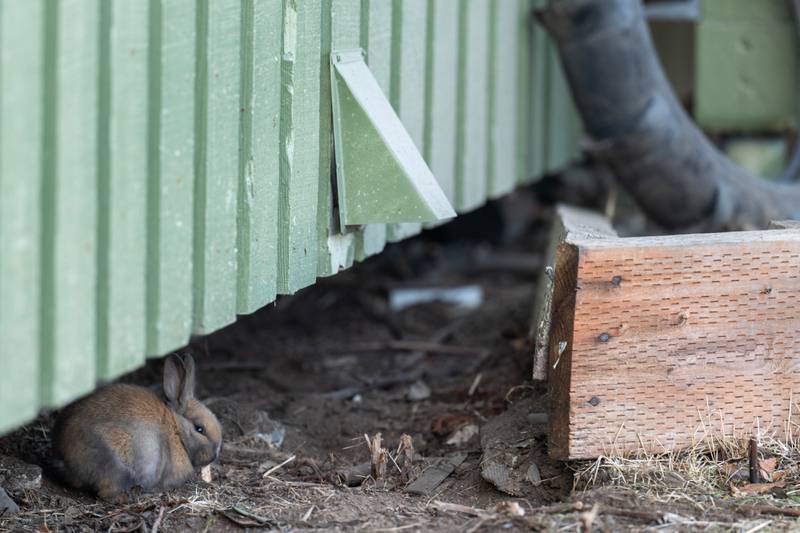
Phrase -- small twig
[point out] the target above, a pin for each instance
(159, 518)
(755, 468)
(769, 509)
(588, 517)
(276, 467)
(475, 384)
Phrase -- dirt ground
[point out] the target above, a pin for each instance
(301, 386)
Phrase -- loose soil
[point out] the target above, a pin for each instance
(302, 385)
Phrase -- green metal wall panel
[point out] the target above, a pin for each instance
(165, 165)
(122, 187)
(21, 78)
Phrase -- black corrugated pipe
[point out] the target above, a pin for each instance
(637, 126)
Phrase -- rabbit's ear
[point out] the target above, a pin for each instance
(187, 391)
(174, 378)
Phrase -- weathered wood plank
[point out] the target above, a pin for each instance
(376, 40)
(442, 79)
(69, 206)
(21, 99)
(472, 147)
(257, 234)
(170, 189)
(217, 112)
(300, 144)
(569, 223)
(407, 91)
(673, 340)
(122, 188)
(341, 27)
(503, 99)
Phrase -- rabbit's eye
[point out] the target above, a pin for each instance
(199, 429)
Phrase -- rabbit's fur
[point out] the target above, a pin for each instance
(125, 436)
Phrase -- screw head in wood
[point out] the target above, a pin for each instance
(595, 401)
(603, 337)
(616, 281)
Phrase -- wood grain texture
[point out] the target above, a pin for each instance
(21, 114)
(170, 187)
(376, 40)
(122, 188)
(299, 145)
(69, 207)
(569, 223)
(673, 340)
(407, 90)
(217, 112)
(257, 215)
(473, 106)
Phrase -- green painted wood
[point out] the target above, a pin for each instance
(755, 87)
(376, 41)
(442, 78)
(562, 132)
(217, 112)
(371, 141)
(300, 144)
(533, 108)
(69, 206)
(473, 93)
(122, 188)
(407, 88)
(503, 99)
(170, 190)
(341, 30)
(257, 217)
(21, 79)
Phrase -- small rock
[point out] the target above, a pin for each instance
(7, 505)
(205, 474)
(533, 474)
(418, 391)
(463, 435)
(17, 475)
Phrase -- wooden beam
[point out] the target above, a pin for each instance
(658, 343)
(569, 223)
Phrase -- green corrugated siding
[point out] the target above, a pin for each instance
(167, 164)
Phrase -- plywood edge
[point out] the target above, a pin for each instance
(570, 223)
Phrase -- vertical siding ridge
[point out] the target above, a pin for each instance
(288, 48)
(245, 203)
(491, 125)
(102, 295)
(364, 29)
(48, 201)
(397, 52)
(153, 173)
(427, 139)
(461, 95)
(201, 140)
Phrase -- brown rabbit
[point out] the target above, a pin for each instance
(124, 436)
